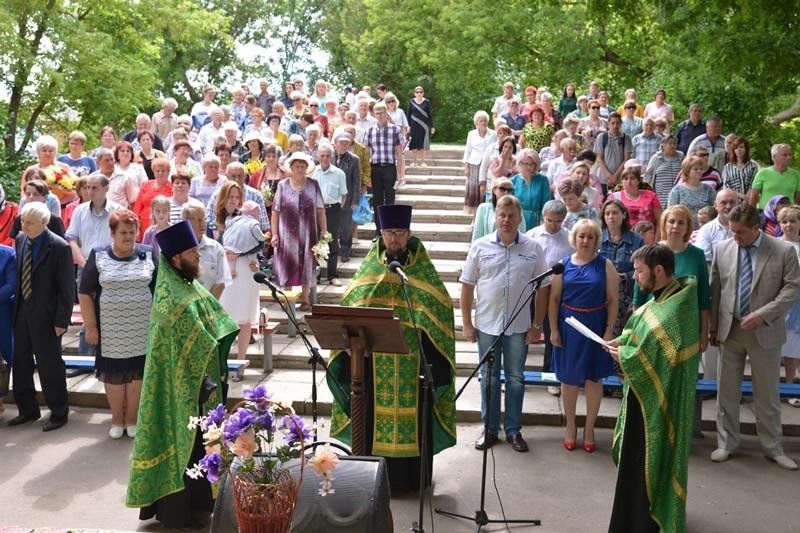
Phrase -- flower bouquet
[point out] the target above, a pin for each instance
(59, 177)
(321, 250)
(265, 493)
(268, 193)
(252, 166)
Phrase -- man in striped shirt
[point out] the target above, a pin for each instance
(385, 142)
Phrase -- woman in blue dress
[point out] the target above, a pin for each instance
(587, 290)
(8, 280)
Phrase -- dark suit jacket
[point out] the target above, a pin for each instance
(52, 280)
(351, 166)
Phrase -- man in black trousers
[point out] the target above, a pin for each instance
(42, 309)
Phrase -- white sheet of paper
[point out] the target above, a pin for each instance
(583, 330)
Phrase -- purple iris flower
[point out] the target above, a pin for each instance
(215, 416)
(265, 421)
(296, 428)
(259, 396)
(238, 422)
(212, 464)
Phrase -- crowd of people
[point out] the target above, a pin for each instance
(261, 180)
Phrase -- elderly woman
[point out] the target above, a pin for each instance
(570, 192)
(642, 204)
(587, 290)
(530, 187)
(8, 285)
(298, 219)
(182, 161)
(420, 117)
(128, 177)
(270, 174)
(551, 114)
(46, 148)
(203, 187)
(691, 192)
(298, 105)
(257, 126)
(180, 196)
(478, 141)
(311, 145)
(772, 211)
(147, 154)
(215, 274)
(484, 218)
(617, 245)
(581, 111)
(593, 125)
(663, 169)
(740, 170)
(296, 144)
(537, 133)
(160, 186)
(116, 293)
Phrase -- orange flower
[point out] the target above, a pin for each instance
(324, 461)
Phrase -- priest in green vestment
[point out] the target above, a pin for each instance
(658, 352)
(185, 375)
(394, 407)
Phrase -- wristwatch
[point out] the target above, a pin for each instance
(537, 327)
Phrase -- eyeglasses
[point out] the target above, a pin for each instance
(418, 91)
(701, 155)
(595, 107)
(313, 105)
(505, 189)
(391, 101)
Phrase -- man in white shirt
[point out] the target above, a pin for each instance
(500, 266)
(364, 121)
(501, 103)
(554, 239)
(713, 141)
(211, 132)
(333, 183)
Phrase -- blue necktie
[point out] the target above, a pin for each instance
(745, 280)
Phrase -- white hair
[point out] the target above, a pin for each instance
(230, 126)
(142, 116)
(778, 148)
(313, 127)
(192, 207)
(46, 141)
(184, 118)
(210, 158)
(325, 147)
(170, 102)
(38, 210)
(479, 114)
(296, 94)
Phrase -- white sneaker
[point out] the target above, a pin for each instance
(784, 461)
(116, 432)
(720, 455)
(553, 390)
(131, 431)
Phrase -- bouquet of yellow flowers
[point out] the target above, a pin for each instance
(59, 177)
(252, 166)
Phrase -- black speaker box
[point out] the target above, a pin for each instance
(359, 504)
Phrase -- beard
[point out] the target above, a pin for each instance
(188, 269)
(649, 285)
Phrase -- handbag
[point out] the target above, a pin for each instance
(362, 214)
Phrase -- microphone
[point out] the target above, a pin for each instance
(260, 277)
(558, 268)
(395, 267)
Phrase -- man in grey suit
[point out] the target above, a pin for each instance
(42, 310)
(755, 280)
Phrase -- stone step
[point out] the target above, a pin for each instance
(436, 249)
(430, 201)
(435, 170)
(430, 189)
(427, 232)
(452, 151)
(439, 161)
(454, 181)
(432, 216)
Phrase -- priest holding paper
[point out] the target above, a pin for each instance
(658, 352)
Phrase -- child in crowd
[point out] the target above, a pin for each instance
(646, 230)
(159, 220)
(704, 216)
(789, 219)
(243, 238)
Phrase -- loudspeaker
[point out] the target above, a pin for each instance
(360, 503)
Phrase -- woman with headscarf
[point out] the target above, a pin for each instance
(771, 226)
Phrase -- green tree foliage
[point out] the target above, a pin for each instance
(741, 59)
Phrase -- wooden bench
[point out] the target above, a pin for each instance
(704, 386)
(265, 295)
(266, 329)
(86, 364)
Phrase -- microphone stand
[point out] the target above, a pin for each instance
(314, 360)
(428, 399)
(481, 518)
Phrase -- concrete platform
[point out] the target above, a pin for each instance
(75, 479)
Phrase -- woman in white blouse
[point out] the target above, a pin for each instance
(478, 140)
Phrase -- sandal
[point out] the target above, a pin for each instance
(305, 307)
(794, 402)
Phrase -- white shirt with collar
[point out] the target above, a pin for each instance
(710, 235)
(501, 276)
(332, 183)
(556, 245)
(89, 228)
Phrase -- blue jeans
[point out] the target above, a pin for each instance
(512, 352)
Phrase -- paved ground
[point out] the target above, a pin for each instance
(76, 478)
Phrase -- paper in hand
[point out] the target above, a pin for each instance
(583, 330)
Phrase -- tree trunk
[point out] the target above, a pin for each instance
(787, 114)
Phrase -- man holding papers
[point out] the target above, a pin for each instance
(658, 352)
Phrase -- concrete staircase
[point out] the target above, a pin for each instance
(436, 192)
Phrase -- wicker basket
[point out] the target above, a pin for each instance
(265, 508)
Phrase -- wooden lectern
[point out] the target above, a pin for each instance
(362, 331)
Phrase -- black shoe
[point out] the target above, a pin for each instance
(51, 424)
(517, 442)
(23, 419)
(486, 440)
